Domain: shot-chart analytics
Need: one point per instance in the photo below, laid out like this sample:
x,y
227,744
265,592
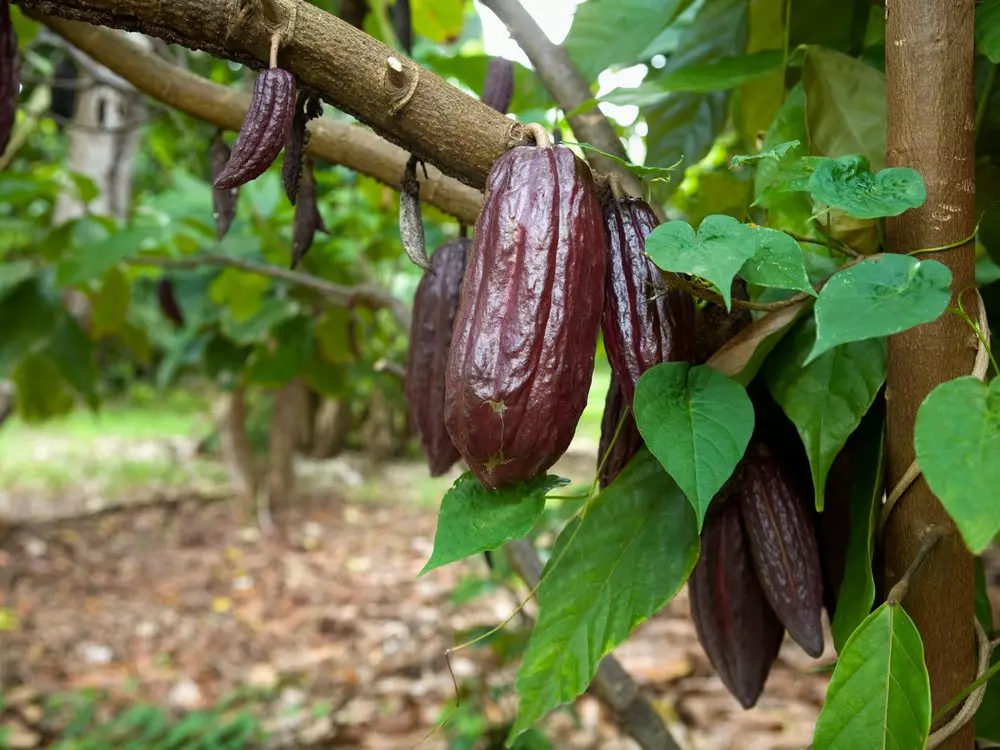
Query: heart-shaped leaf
x,y
718,251
957,440
847,183
697,422
879,296
777,262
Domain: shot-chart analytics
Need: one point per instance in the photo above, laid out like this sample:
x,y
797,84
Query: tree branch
x,y
352,146
430,118
567,86
366,295
612,685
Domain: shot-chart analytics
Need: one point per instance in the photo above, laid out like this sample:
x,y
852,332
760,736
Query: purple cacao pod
x,y
434,308
498,88
526,330
264,130
10,77
629,440
223,201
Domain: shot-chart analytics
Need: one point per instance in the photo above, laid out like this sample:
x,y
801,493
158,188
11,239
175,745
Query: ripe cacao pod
x,y
264,129
434,307
307,107
10,76
168,302
498,88
629,440
783,546
223,201
644,323
526,330
736,626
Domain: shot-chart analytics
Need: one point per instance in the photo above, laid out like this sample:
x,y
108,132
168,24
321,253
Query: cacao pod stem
x,y
411,225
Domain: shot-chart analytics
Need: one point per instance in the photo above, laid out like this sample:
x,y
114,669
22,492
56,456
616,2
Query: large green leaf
x,y
473,519
880,695
988,29
697,422
110,304
848,183
957,439
240,291
437,20
40,391
757,101
826,398
73,355
879,297
94,261
825,23
716,253
281,356
777,262
845,106
615,32
29,318
625,558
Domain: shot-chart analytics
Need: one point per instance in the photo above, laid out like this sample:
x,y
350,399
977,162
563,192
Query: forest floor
x,y
323,631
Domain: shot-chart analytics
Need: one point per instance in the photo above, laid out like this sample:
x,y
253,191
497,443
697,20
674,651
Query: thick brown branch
x,y
366,295
567,86
353,146
430,118
612,685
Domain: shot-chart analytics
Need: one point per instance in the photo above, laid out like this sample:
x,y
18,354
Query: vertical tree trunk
x,y
234,444
929,76
284,436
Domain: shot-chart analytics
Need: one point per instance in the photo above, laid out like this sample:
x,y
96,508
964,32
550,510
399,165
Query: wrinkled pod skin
x,y
9,75
526,330
498,87
644,325
307,107
307,220
223,201
265,129
736,626
629,440
783,546
434,308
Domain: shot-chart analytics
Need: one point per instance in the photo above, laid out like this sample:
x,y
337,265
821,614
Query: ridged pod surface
x,y
643,324
223,201
264,129
434,308
498,87
526,331
9,75
307,220
307,107
629,440
736,626
783,546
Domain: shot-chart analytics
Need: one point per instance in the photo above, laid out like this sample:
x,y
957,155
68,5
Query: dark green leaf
x,y
984,609
721,73
73,354
988,29
848,183
988,715
40,390
29,318
281,356
473,519
93,261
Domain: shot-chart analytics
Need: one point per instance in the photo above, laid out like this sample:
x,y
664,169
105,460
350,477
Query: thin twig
x,y
709,296
828,242
902,587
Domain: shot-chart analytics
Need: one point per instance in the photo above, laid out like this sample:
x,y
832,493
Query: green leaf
x,y
73,354
880,694
438,20
879,297
845,106
241,292
333,335
29,318
777,152
473,519
40,390
756,102
94,261
272,312
957,436
281,356
110,305
13,272
988,29
847,183
716,253
721,73
777,262
988,715
984,609
697,422
826,398
629,554
651,174
863,480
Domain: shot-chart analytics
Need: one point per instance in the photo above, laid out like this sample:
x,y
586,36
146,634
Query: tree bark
x,y
283,438
929,77
234,444
354,147
414,108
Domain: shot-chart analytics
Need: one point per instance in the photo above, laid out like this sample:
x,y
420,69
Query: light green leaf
x,y
110,304
826,398
880,695
628,556
93,261
957,436
777,262
697,422
988,29
473,519
242,292
333,335
716,253
13,272
879,297
777,152
437,20
40,391
845,106
272,312
847,183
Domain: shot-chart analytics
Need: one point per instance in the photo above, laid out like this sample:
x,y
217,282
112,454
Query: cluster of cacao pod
x,y
10,76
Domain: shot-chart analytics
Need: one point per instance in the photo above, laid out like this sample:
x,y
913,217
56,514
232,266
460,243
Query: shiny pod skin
x,y
627,444
434,308
643,324
526,331
736,626
783,546
265,128
9,75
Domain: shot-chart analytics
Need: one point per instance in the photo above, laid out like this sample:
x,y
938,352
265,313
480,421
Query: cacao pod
x,y
498,88
736,626
783,546
403,25
307,220
526,330
629,440
168,302
411,223
434,307
10,77
223,201
307,107
264,129
643,323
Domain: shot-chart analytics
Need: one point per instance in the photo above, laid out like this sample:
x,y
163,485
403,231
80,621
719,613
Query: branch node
x,y
399,83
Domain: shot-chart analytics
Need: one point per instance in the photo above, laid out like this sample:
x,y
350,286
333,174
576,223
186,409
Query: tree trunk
x,y
929,77
284,434
234,445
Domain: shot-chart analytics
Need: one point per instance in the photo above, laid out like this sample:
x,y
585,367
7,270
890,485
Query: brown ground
x,y
179,603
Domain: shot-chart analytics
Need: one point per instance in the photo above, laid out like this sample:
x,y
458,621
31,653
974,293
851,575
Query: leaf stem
x,y
965,692
960,312
829,242
984,98
902,587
